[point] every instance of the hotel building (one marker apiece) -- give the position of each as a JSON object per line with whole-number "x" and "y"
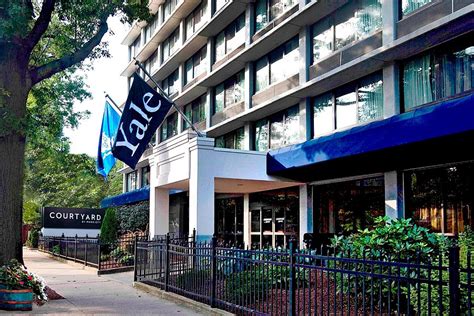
{"x": 318, "y": 116}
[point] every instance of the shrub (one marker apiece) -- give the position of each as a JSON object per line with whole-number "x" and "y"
{"x": 33, "y": 238}
{"x": 393, "y": 240}
{"x": 127, "y": 259}
{"x": 133, "y": 217}
{"x": 118, "y": 253}
{"x": 109, "y": 228}
{"x": 56, "y": 250}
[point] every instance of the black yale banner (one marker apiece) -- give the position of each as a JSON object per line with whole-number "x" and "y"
{"x": 143, "y": 112}
{"x": 61, "y": 217}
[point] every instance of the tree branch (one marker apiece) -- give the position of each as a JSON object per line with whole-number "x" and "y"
{"x": 45, "y": 71}
{"x": 41, "y": 24}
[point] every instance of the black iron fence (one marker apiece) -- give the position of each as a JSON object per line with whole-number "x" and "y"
{"x": 308, "y": 282}
{"x": 106, "y": 257}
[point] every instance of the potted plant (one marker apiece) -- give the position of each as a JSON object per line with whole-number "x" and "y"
{"x": 18, "y": 287}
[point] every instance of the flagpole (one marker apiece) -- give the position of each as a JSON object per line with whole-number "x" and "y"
{"x": 113, "y": 102}
{"x": 163, "y": 93}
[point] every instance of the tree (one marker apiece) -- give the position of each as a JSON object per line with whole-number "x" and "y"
{"x": 39, "y": 39}
{"x": 109, "y": 228}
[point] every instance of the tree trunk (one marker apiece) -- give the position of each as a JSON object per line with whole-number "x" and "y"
{"x": 15, "y": 84}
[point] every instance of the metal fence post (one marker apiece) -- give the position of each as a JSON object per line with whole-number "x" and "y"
{"x": 454, "y": 278}
{"x": 85, "y": 251}
{"x": 291, "y": 290}
{"x": 98, "y": 253}
{"x": 167, "y": 262}
{"x": 75, "y": 248}
{"x": 213, "y": 270}
{"x": 135, "y": 259}
{"x": 193, "y": 244}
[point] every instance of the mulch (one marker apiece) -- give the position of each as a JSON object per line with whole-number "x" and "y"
{"x": 52, "y": 295}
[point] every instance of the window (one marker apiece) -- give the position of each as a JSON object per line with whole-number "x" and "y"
{"x": 168, "y": 8}
{"x": 439, "y": 74}
{"x": 151, "y": 62}
{"x": 408, "y": 6}
{"x": 229, "y": 92}
{"x": 196, "y": 65}
{"x": 145, "y": 176}
{"x": 355, "y": 21}
{"x": 346, "y": 207}
{"x": 441, "y": 199}
{"x": 268, "y": 10}
{"x": 196, "y": 111}
{"x": 280, "y": 130}
{"x": 355, "y": 103}
{"x": 170, "y": 45}
{"x": 131, "y": 181}
{"x": 232, "y": 140}
{"x": 196, "y": 19}
{"x": 231, "y": 38}
{"x": 134, "y": 48}
{"x": 274, "y": 217}
{"x": 280, "y": 64}
{"x": 169, "y": 127}
{"x": 229, "y": 223}
{"x": 151, "y": 27}
{"x": 170, "y": 84}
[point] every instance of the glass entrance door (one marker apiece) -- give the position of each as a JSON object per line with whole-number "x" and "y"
{"x": 272, "y": 227}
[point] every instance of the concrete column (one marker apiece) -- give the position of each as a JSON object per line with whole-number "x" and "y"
{"x": 139, "y": 177}
{"x": 182, "y": 30}
{"x": 249, "y": 23}
{"x": 208, "y": 108}
{"x": 390, "y": 11}
{"x": 247, "y": 136}
{"x": 391, "y": 90}
{"x": 302, "y": 3}
{"x": 201, "y": 188}
{"x": 305, "y": 53}
{"x": 249, "y": 84}
{"x": 304, "y": 214}
{"x": 210, "y": 54}
{"x": 124, "y": 182}
{"x": 159, "y": 211}
{"x": 246, "y": 220}
{"x": 306, "y": 119}
{"x": 394, "y": 200}
{"x": 181, "y": 71}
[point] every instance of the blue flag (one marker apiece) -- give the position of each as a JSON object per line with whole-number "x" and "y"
{"x": 144, "y": 110}
{"x": 108, "y": 131}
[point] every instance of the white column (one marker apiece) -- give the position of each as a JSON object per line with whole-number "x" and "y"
{"x": 201, "y": 188}
{"x": 303, "y": 213}
{"x": 247, "y": 136}
{"x": 389, "y": 17}
{"x": 159, "y": 211}
{"x": 305, "y": 131}
{"x": 247, "y": 220}
{"x": 249, "y": 23}
{"x": 248, "y": 84}
{"x": 305, "y": 53}
{"x": 394, "y": 200}
{"x": 124, "y": 182}
{"x": 391, "y": 90}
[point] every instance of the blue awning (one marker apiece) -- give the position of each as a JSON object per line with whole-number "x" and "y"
{"x": 423, "y": 136}
{"x": 142, "y": 194}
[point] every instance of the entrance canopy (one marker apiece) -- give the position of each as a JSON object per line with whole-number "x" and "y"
{"x": 428, "y": 135}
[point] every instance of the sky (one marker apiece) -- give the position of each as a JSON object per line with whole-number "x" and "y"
{"x": 105, "y": 76}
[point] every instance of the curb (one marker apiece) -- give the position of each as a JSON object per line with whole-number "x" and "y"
{"x": 175, "y": 298}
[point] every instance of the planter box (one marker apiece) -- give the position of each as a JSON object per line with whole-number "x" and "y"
{"x": 16, "y": 300}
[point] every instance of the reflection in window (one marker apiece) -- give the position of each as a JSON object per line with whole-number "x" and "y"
{"x": 355, "y": 103}
{"x": 195, "y": 111}
{"x": 229, "y": 223}
{"x": 439, "y": 74}
{"x": 346, "y": 207}
{"x": 169, "y": 127}
{"x": 168, "y": 8}
{"x": 131, "y": 181}
{"x": 408, "y": 6}
{"x": 268, "y": 10}
{"x": 232, "y": 140}
{"x": 283, "y": 127}
{"x": 229, "y": 92}
{"x": 231, "y": 38}
{"x": 353, "y": 22}
{"x": 145, "y": 176}
{"x": 441, "y": 199}
{"x": 170, "y": 84}
{"x": 280, "y": 64}
{"x": 323, "y": 118}
{"x": 170, "y": 45}
{"x": 196, "y": 19}
{"x": 196, "y": 65}
{"x": 274, "y": 217}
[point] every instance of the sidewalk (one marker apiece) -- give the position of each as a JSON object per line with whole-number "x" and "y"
{"x": 87, "y": 293}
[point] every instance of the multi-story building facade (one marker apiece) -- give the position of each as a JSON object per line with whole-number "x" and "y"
{"x": 318, "y": 115}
